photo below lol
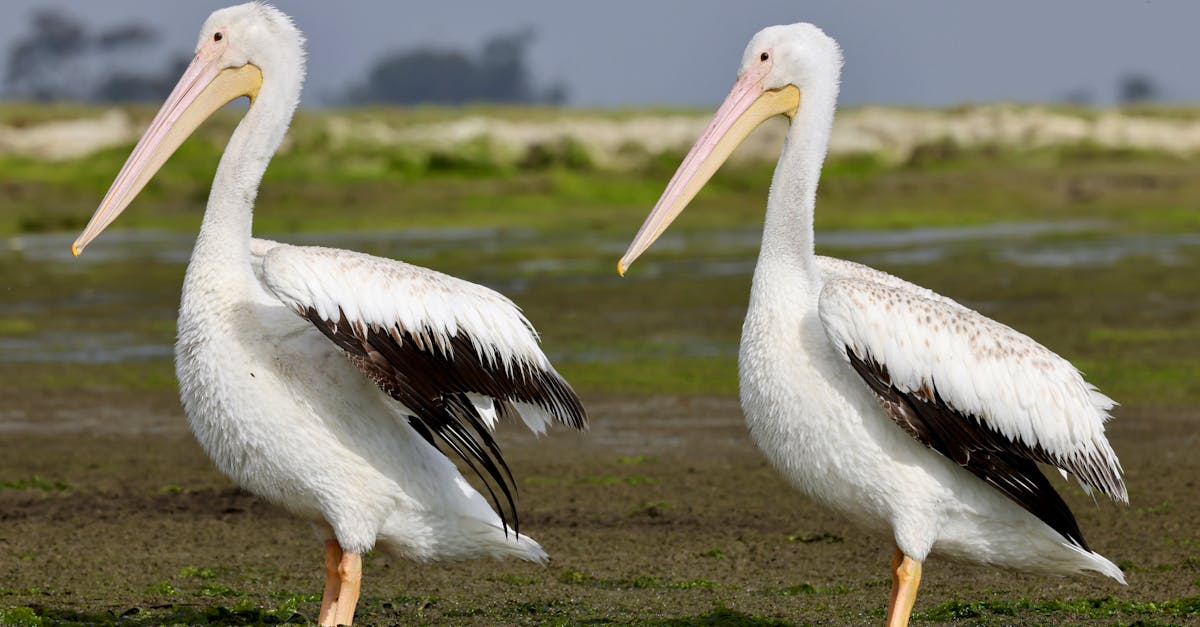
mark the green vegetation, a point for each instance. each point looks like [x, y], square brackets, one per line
[162, 588]
[1109, 282]
[35, 483]
[20, 617]
[991, 612]
[1002, 610]
[218, 590]
[16, 326]
[194, 572]
[558, 183]
[553, 222]
[240, 614]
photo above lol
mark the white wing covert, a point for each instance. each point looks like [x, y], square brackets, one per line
[458, 356]
[989, 375]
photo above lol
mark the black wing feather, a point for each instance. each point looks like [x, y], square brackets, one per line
[1008, 466]
[433, 381]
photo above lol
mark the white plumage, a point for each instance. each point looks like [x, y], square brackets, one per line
[433, 307]
[979, 367]
[907, 412]
[270, 397]
[325, 380]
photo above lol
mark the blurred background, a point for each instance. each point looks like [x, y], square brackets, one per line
[1058, 136]
[1035, 161]
[624, 53]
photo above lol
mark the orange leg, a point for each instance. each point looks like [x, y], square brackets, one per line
[350, 572]
[906, 576]
[333, 581]
[897, 559]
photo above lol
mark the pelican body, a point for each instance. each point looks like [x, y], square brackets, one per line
[325, 380]
[910, 414]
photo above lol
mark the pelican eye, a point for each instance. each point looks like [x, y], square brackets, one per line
[218, 36]
[764, 56]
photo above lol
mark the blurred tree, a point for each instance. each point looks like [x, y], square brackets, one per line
[125, 36]
[126, 86]
[1135, 88]
[60, 60]
[502, 76]
[418, 76]
[500, 73]
[44, 64]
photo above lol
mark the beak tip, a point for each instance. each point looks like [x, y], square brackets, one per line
[622, 267]
[76, 249]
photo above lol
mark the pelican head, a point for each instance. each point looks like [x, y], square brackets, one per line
[238, 49]
[779, 64]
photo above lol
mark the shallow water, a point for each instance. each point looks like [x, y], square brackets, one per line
[514, 261]
[93, 348]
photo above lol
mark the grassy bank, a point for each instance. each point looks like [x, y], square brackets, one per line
[550, 229]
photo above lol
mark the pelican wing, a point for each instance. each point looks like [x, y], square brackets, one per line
[259, 248]
[456, 355]
[980, 393]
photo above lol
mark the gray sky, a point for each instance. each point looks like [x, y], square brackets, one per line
[685, 52]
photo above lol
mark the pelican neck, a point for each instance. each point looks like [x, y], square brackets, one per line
[788, 228]
[223, 245]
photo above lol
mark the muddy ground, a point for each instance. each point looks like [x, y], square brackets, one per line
[663, 514]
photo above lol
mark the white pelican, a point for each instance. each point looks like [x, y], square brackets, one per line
[321, 379]
[898, 407]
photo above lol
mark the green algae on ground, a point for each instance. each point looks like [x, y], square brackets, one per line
[35, 483]
[17, 326]
[20, 617]
[285, 613]
[94, 551]
[999, 610]
[807, 588]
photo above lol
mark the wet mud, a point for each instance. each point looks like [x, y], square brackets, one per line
[663, 514]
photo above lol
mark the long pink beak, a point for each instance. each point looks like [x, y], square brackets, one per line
[747, 106]
[204, 88]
